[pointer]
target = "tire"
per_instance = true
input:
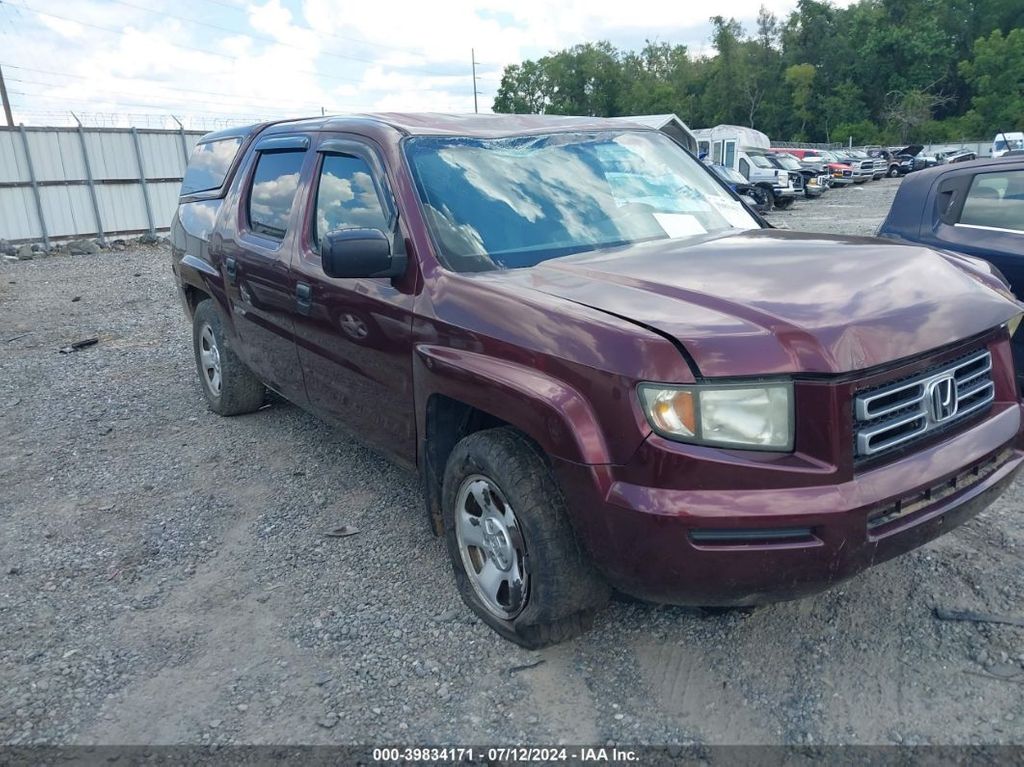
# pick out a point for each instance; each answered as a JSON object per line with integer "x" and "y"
{"x": 766, "y": 198}
{"x": 894, "y": 171}
{"x": 229, "y": 386}
{"x": 547, "y": 590}
{"x": 782, "y": 203}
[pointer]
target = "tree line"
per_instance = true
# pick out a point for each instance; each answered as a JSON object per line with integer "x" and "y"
{"x": 879, "y": 71}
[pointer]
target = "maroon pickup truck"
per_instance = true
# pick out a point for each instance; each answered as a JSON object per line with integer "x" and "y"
{"x": 608, "y": 373}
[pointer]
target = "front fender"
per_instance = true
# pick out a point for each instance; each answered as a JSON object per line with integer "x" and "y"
{"x": 552, "y": 413}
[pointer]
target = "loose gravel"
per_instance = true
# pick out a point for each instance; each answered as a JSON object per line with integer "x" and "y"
{"x": 165, "y": 577}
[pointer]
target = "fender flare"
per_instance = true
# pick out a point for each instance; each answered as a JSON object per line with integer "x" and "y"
{"x": 549, "y": 411}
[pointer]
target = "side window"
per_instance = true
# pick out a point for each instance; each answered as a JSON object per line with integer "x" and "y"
{"x": 273, "y": 191}
{"x": 745, "y": 168}
{"x": 716, "y": 153}
{"x": 208, "y": 166}
{"x": 730, "y": 153}
{"x": 996, "y": 200}
{"x": 346, "y": 196}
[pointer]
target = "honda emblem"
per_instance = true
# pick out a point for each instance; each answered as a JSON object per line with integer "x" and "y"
{"x": 942, "y": 398}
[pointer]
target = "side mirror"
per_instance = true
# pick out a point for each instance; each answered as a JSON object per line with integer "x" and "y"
{"x": 360, "y": 253}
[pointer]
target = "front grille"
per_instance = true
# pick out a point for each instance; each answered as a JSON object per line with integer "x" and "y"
{"x": 897, "y": 413}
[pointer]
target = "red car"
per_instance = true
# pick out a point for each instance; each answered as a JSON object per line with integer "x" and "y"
{"x": 840, "y": 173}
{"x": 606, "y": 371}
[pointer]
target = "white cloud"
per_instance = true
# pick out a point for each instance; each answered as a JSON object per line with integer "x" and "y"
{"x": 275, "y": 58}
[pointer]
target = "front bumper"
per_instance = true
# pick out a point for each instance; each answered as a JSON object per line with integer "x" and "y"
{"x": 664, "y": 545}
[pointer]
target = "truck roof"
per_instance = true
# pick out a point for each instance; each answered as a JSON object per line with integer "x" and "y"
{"x": 439, "y": 124}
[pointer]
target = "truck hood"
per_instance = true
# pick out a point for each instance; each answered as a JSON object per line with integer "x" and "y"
{"x": 911, "y": 150}
{"x": 770, "y": 302}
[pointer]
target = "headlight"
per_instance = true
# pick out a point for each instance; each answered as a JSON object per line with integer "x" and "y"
{"x": 1013, "y": 324}
{"x": 755, "y": 416}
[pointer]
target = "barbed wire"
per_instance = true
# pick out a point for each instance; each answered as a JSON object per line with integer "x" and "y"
{"x": 58, "y": 119}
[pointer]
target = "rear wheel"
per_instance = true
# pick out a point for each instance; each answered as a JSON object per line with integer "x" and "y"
{"x": 229, "y": 386}
{"x": 516, "y": 561}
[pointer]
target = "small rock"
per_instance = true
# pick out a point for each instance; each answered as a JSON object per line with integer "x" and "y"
{"x": 444, "y": 692}
{"x": 14, "y": 570}
{"x": 242, "y": 707}
{"x": 149, "y": 239}
{"x": 82, "y": 247}
{"x": 76, "y": 299}
{"x": 215, "y": 723}
{"x": 328, "y": 721}
{"x": 25, "y": 253}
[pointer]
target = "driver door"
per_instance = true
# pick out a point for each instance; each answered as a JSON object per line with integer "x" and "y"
{"x": 354, "y": 336}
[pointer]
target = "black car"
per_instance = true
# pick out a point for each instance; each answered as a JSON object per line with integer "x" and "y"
{"x": 753, "y": 196}
{"x": 808, "y": 178}
{"x": 975, "y": 208}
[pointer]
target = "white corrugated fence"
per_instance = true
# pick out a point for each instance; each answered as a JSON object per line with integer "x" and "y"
{"x": 89, "y": 182}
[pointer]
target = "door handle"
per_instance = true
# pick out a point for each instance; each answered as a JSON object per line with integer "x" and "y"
{"x": 303, "y": 298}
{"x": 231, "y": 266}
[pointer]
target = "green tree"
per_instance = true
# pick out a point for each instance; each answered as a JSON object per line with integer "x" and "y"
{"x": 523, "y": 89}
{"x": 726, "y": 96}
{"x": 996, "y": 77}
{"x": 800, "y": 79}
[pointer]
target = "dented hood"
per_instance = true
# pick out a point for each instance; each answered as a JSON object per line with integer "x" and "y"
{"x": 770, "y": 302}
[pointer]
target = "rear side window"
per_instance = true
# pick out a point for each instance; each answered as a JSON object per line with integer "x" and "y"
{"x": 996, "y": 200}
{"x": 273, "y": 191}
{"x": 208, "y": 166}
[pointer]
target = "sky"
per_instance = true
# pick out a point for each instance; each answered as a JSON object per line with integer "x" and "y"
{"x": 216, "y": 62}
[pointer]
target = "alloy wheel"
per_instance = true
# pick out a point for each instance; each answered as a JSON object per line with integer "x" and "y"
{"x": 492, "y": 547}
{"x": 209, "y": 359}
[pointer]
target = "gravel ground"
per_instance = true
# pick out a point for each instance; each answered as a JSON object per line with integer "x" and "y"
{"x": 164, "y": 577}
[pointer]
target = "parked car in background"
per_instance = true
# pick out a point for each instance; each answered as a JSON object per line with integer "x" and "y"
{"x": 907, "y": 158}
{"x": 813, "y": 182}
{"x": 1006, "y": 141}
{"x": 975, "y": 208}
{"x": 876, "y": 167}
{"x": 606, "y": 371}
{"x": 863, "y": 167}
{"x": 839, "y": 173}
{"x": 744, "y": 150}
{"x": 898, "y": 160}
{"x": 756, "y": 197}
{"x": 964, "y": 155}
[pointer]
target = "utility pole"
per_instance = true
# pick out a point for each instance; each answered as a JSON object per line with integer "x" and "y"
{"x": 472, "y": 55}
{"x": 7, "y": 101}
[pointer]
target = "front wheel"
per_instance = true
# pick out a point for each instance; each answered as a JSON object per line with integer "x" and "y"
{"x": 894, "y": 172}
{"x": 229, "y": 386}
{"x": 516, "y": 561}
{"x": 784, "y": 202}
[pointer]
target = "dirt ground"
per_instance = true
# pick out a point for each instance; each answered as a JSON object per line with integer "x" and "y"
{"x": 165, "y": 577}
